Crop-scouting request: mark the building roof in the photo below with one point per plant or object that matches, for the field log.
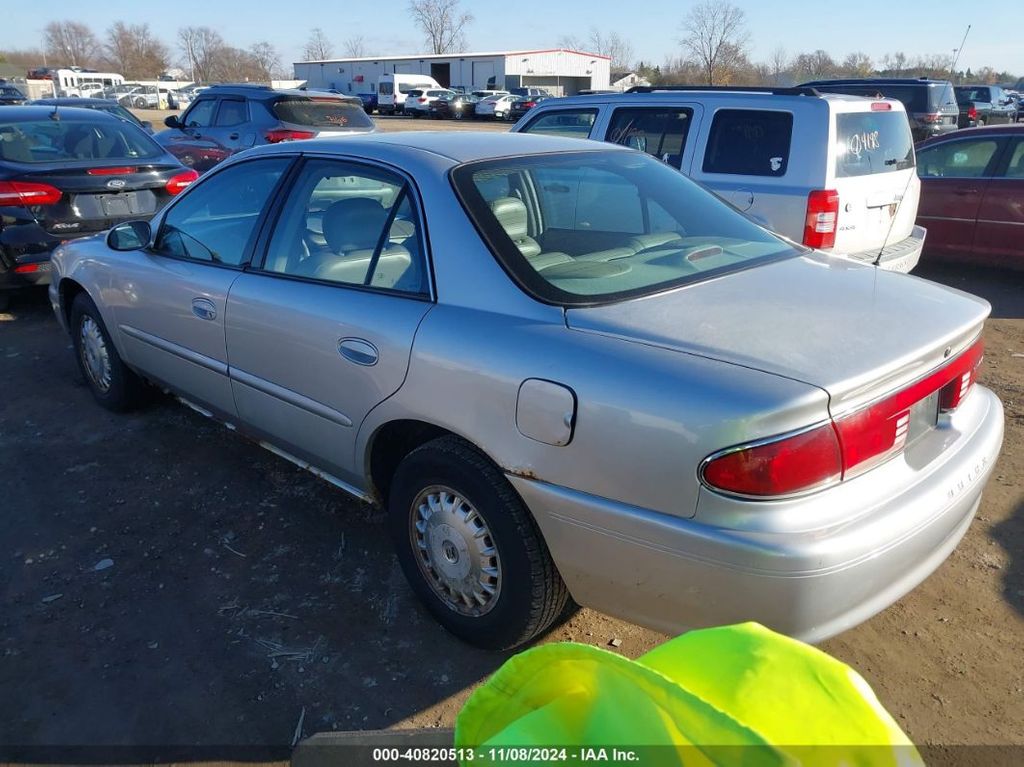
(425, 56)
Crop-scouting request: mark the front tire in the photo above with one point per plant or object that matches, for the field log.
(470, 549)
(112, 383)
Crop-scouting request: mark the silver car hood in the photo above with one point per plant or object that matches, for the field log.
(853, 330)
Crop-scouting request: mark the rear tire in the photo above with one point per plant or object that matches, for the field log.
(469, 547)
(112, 383)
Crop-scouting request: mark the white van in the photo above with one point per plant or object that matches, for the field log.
(834, 172)
(392, 90)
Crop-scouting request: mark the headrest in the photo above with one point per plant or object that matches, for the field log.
(354, 224)
(511, 214)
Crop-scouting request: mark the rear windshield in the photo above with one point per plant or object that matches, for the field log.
(873, 142)
(322, 113)
(592, 227)
(46, 140)
(9, 92)
(966, 93)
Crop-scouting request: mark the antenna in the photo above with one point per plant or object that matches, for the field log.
(55, 115)
(958, 51)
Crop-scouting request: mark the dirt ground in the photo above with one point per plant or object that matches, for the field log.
(165, 583)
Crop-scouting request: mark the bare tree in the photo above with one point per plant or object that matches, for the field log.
(715, 36)
(266, 59)
(610, 44)
(134, 50)
(27, 57)
(70, 43)
(818, 65)
(355, 47)
(858, 64)
(894, 63)
(779, 64)
(317, 47)
(443, 23)
(201, 47)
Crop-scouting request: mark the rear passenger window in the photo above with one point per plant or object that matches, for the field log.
(231, 112)
(749, 142)
(563, 122)
(658, 132)
(350, 224)
(969, 158)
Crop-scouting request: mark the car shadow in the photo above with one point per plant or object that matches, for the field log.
(1010, 535)
(169, 591)
(1000, 287)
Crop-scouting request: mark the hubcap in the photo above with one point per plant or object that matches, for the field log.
(95, 356)
(455, 551)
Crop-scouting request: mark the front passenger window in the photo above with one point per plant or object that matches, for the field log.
(217, 220)
(201, 115)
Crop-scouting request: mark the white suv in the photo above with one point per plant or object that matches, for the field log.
(417, 102)
(833, 172)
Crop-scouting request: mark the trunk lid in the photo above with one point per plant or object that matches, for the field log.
(857, 332)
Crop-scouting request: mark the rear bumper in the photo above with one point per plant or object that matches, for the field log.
(777, 563)
(899, 256)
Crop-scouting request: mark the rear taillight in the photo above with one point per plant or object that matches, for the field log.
(822, 218)
(972, 112)
(931, 118)
(881, 106)
(843, 448)
(283, 134)
(26, 194)
(422, 100)
(178, 183)
(125, 171)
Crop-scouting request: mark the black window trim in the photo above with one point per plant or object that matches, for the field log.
(530, 281)
(710, 133)
(249, 250)
(273, 216)
(192, 107)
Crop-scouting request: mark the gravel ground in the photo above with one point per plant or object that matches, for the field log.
(164, 582)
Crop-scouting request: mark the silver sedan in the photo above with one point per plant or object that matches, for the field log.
(565, 370)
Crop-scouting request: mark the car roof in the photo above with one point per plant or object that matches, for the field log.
(731, 95)
(985, 130)
(32, 112)
(457, 146)
(265, 92)
(876, 81)
(79, 102)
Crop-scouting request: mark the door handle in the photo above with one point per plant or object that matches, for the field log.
(233, 137)
(204, 309)
(358, 351)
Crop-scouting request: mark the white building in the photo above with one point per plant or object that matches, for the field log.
(559, 70)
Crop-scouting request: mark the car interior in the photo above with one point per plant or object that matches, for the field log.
(591, 233)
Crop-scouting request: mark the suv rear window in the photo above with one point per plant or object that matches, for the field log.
(322, 113)
(926, 97)
(873, 142)
(749, 142)
(967, 93)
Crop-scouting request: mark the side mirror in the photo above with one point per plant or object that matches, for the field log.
(172, 121)
(131, 235)
(148, 126)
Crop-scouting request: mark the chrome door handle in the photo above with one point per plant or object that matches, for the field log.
(358, 351)
(204, 309)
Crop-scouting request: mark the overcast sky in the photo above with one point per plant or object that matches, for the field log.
(653, 27)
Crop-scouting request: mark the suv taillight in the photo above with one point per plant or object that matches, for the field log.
(843, 448)
(25, 194)
(972, 112)
(931, 118)
(822, 218)
(283, 134)
(178, 183)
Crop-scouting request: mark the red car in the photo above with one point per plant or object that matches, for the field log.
(972, 196)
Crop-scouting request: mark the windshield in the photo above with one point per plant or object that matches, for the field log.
(591, 227)
(322, 113)
(40, 141)
(873, 142)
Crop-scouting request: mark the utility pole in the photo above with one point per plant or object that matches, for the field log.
(957, 52)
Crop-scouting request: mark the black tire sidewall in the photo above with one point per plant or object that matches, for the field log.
(508, 622)
(124, 385)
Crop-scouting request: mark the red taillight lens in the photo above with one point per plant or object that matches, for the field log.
(784, 466)
(110, 171)
(972, 112)
(822, 218)
(880, 106)
(27, 268)
(25, 194)
(844, 448)
(178, 183)
(931, 118)
(283, 134)
(422, 100)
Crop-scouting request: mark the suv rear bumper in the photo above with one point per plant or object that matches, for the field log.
(899, 256)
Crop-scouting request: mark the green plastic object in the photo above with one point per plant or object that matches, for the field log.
(735, 695)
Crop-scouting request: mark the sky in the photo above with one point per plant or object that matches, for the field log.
(875, 28)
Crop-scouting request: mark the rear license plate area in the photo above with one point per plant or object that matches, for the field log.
(924, 416)
(120, 205)
(116, 205)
